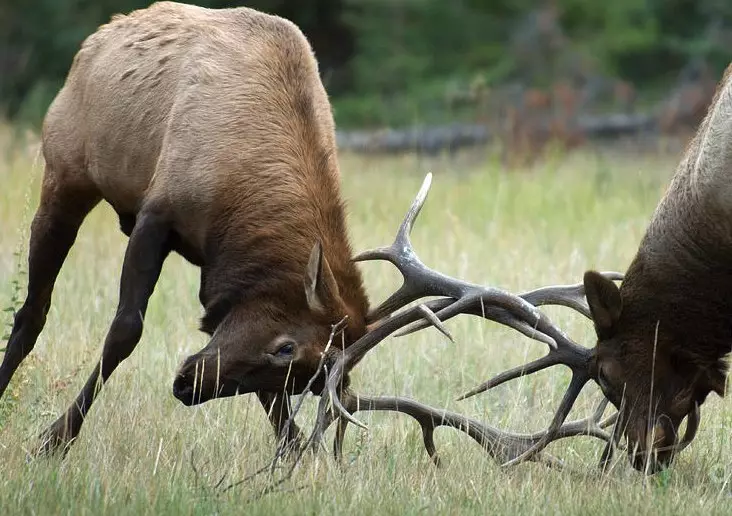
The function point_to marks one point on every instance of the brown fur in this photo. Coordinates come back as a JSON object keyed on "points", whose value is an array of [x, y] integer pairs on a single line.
{"points": [[664, 336], [210, 134]]}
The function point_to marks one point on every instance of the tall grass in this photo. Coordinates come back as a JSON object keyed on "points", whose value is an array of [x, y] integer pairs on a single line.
{"points": [[142, 452]]}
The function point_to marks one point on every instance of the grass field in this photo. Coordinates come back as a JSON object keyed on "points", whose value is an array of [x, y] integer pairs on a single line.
{"points": [[143, 452]]}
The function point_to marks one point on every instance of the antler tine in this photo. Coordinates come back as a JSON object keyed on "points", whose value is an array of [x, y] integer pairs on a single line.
{"points": [[571, 296], [579, 379], [516, 372], [419, 281], [432, 319], [402, 243], [593, 425], [566, 352], [445, 309], [399, 251], [502, 446]]}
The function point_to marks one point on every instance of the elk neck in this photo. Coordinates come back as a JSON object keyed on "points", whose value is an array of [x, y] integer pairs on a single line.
{"points": [[681, 276], [262, 247]]}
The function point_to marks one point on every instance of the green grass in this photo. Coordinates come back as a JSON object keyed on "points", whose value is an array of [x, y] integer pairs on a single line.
{"points": [[142, 452]]}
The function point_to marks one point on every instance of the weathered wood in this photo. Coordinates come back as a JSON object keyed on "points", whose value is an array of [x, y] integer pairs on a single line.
{"points": [[432, 140]]}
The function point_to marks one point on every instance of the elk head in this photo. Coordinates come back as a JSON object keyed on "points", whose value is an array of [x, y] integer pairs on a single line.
{"points": [[642, 372], [261, 346]]}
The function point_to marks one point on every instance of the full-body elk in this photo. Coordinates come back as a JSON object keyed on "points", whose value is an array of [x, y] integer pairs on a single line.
{"points": [[210, 134]]}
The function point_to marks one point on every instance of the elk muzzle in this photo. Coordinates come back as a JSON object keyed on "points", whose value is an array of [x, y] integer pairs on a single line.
{"points": [[651, 451], [199, 380], [654, 449]]}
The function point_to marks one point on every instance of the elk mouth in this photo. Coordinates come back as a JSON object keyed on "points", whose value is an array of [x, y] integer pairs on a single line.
{"points": [[651, 462], [658, 458], [189, 392]]}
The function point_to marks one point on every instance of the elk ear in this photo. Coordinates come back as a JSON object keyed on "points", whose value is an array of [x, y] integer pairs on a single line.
{"points": [[321, 288], [603, 296], [216, 311], [716, 381]]}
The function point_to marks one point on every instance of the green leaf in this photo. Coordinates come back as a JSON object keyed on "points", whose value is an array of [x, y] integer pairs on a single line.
{"points": [[663, 479]]}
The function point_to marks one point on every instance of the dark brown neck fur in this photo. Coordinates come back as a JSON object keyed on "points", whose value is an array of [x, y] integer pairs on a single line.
{"points": [[259, 256], [681, 279], [290, 198]]}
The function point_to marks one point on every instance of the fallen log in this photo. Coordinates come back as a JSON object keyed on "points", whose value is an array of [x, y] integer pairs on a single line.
{"points": [[431, 140]]}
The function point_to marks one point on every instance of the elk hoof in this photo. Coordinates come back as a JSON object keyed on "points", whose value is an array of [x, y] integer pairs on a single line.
{"points": [[291, 446], [55, 440]]}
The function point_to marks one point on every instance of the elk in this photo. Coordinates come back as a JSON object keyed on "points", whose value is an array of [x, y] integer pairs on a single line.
{"points": [[210, 134], [664, 335]]}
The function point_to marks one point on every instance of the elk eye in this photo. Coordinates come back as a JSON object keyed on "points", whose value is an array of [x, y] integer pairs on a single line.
{"points": [[286, 350]]}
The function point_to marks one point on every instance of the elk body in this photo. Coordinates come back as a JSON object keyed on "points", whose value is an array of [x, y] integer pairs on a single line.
{"points": [[210, 134]]}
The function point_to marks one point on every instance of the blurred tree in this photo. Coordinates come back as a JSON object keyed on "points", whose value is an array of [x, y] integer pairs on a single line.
{"points": [[387, 61], [38, 42]]}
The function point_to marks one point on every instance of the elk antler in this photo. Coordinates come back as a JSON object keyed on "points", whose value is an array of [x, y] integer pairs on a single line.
{"points": [[503, 446], [460, 297]]}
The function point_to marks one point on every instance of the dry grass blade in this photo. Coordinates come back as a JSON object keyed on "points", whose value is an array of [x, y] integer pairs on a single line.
{"points": [[282, 446]]}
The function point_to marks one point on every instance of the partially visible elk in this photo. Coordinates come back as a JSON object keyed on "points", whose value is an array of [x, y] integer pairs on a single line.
{"points": [[664, 336]]}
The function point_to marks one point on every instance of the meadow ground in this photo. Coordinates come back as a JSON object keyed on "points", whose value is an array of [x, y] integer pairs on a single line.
{"points": [[142, 452]]}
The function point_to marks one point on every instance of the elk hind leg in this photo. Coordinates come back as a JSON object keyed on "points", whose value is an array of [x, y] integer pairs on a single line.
{"points": [[66, 200]]}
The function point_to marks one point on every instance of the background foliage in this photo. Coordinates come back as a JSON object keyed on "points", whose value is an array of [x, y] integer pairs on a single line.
{"points": [[396, 61]]}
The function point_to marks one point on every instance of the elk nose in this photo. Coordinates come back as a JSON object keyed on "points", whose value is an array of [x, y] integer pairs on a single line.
{"points": [[651, 465], [639, 461], [183, 390]]}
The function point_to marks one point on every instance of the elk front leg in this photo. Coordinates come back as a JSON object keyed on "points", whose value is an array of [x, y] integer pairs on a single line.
{"points": [[146, 251], [278, 411]]}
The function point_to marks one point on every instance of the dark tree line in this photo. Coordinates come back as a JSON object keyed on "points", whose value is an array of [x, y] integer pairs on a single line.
{"points": [[391, 61]]}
